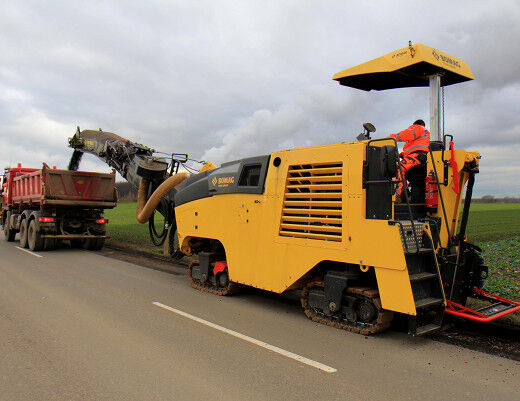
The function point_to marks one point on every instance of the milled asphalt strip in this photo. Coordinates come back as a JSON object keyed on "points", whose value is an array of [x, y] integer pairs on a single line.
{"points": [[270, 347], [30, 252]]}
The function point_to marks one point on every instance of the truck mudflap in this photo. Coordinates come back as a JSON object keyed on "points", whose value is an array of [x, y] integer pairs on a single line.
{"points": [[498, 307]]}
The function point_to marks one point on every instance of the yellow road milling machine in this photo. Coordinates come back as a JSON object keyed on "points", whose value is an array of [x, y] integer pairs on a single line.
{"points": [[324, 219]]}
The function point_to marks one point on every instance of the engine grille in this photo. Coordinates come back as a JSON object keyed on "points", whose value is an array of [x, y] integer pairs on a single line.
{"points": [[312, 205]]}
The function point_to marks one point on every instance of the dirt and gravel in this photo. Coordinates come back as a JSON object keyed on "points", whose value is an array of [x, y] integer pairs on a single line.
{"points": [[501, 338], [493, 338], [124, 251]]}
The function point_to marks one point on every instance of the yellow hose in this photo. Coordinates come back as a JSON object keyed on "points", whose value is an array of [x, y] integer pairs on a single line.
{"points": [[146, 208]]}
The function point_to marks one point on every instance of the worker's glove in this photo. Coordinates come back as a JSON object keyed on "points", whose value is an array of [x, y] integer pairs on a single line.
{"points": [[393, 136]]}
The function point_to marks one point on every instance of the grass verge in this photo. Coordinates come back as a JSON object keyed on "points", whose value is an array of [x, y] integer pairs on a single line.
{"points": [[493, 221], [503, 259], [123, 227]]}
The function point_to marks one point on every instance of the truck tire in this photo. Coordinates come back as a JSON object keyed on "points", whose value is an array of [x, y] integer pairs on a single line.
{"points": [[50, 244], [8, 232], [34, 237], [93, 244], [100, 243], [24, 243]]}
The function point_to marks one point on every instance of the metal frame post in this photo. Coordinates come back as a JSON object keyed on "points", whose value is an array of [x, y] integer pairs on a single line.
{"points": [[435, 107]]}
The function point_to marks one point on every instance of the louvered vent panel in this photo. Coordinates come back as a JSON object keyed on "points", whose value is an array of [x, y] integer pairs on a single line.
{"points": [[312, 206]]}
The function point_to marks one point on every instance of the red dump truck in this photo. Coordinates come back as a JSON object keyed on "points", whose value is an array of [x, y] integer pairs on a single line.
{"points": [[48, 205]]}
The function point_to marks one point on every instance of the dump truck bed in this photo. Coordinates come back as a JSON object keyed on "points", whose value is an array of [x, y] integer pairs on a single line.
{"points": [[54, 187]]}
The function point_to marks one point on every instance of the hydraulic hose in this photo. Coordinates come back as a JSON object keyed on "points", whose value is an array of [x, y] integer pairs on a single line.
{"points": [[146, 208]]}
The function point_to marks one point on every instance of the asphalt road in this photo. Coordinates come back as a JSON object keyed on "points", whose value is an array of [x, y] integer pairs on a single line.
{"points": [[78, 325]]}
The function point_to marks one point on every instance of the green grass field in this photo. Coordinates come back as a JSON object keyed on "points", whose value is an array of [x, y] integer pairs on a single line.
{"points": [[494, 227], [493, 221], [123, 226]]}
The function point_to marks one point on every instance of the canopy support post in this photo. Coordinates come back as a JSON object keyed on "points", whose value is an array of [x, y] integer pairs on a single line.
{"points": [[435, 107]]}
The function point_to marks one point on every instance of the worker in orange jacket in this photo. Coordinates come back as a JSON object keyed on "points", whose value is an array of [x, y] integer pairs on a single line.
{"points": [[415, 151]]}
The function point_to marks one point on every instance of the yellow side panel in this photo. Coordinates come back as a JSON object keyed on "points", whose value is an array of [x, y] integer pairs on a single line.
{"points": [[248, 225], [452, 200], [395, 290]]}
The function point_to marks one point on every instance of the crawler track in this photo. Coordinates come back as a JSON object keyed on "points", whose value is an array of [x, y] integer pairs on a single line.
{"points": [[382, 322], [231, 287]]}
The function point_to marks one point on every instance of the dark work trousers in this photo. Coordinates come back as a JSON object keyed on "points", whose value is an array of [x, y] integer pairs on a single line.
{"points": [[413, 167]]}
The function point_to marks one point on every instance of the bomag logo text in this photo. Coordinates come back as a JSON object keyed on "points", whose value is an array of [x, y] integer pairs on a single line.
{"points": [[226, 180], [399, 54], [447, 60], [223, 181]]}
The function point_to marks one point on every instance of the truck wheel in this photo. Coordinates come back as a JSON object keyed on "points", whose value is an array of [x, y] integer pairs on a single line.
{"points": [[8, 232], [50, 244], [35, 239], [99, 243], [24, 243], [86, 243], [93, 244]]}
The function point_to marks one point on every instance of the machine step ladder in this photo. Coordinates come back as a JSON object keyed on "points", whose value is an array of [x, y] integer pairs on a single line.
{"points": [[424, 277]]}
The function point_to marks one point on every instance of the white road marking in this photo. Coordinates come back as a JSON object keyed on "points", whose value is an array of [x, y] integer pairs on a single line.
{"points": [[270, 347], [28, 251]]}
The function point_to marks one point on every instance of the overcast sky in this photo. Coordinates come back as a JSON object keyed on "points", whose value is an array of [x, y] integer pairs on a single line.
{"points": [[222, 80]]}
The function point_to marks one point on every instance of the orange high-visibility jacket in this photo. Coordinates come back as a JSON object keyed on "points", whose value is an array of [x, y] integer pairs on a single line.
{"points": [[416, 137]]}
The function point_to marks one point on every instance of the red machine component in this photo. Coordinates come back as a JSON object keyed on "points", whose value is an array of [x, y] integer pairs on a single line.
{"points": [[499, 307], [432, 193], [46, 205], [455, 168], [219, 267]]}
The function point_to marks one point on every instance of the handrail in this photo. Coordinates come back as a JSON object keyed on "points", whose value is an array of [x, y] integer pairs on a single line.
{"points": [[465, 213], [439, 277], [444, 162], [433, 224], [442, 200]]}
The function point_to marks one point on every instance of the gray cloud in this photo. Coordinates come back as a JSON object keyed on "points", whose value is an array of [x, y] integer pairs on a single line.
{"points": [[224, 80]]}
